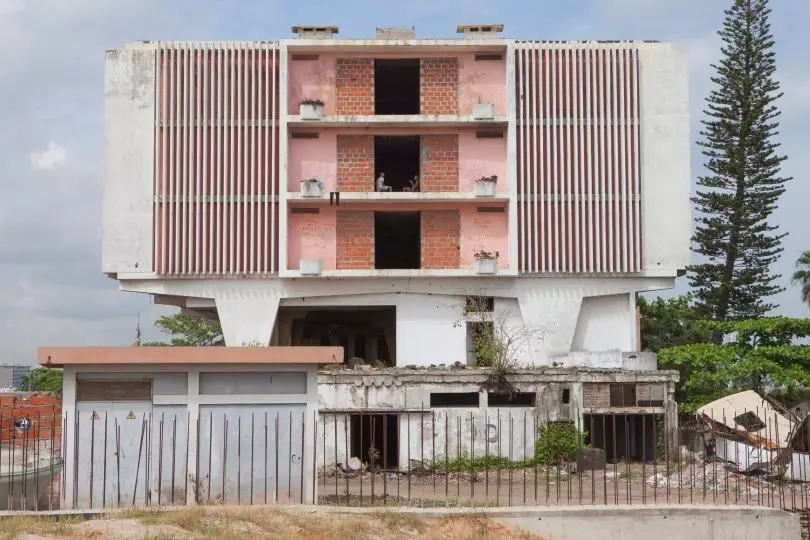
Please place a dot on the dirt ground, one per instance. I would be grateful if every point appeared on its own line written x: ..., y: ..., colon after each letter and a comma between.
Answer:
x: 245, y: 522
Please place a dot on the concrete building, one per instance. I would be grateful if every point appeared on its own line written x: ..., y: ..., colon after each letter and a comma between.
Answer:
x: 11, y: 374
x: 359, y: 192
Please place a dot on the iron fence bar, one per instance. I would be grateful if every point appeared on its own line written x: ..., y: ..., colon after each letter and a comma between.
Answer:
x: 76, y: 430
x: 148, y: 451
x: 210, y: 450
x: 458, y: 458
x: 384, y: 459
x: 511, y: 456
x: 224, y: 453
x: 337, y: 482
x: 252, y: 452
x: 104, y: 479
x: 314, y: 457
x: 160, y: 458
x: 277, y: 435
x: 422, y: 448
x: 435, y: 461
x: 524, y: 456
x: 446, y: 460
x: 265, y: 456
x: 289, y: 458
x: 347, y: 418
x: 52, y: 436
x: 644, y: 460
x: 472, y: 460
x: 239, y: 457
x: 604, y: 471
x: 486, y: 456
x: 303, y: 441
x: 627, y: 457
x: 780, y: 480
x: 615, y: 464
x: 408, y: 435
x: 655, y: 457
x: 138, y: 467
x: 498, y: 463
x: 548, y: 456
x: 580, y: 444
x: 197, y: 481
x: 535, y: 437
x: 174, y: 454
x: 118, y: 463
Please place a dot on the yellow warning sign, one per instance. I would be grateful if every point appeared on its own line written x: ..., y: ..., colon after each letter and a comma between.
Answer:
x: 94, y: 416
x: 131, y: 416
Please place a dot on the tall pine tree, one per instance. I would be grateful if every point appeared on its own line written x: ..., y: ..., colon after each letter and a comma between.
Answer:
x: 741, y: 191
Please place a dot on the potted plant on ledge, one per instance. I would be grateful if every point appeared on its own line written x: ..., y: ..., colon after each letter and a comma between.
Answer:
x: 311, y: 187
x: 486, y: 262
x: 311, y: 109
x: 485, y: 186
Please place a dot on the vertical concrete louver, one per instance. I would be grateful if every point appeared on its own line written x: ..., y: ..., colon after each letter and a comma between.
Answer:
x: 578, y: 157
x: 216, y: 158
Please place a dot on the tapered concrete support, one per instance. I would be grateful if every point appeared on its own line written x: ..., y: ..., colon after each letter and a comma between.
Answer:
x: 247, y: 317
x: 550, y: 317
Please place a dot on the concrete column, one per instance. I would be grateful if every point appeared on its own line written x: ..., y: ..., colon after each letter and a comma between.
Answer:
x: 247, y: 316
x: 671, y: 414
x: 193, y: 415
x: 68, y: 452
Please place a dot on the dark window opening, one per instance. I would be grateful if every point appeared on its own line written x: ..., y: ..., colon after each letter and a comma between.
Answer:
x: 622, y: 395
x: 454, y: 399
x: 396, y: 86
x: 366, y: 333
x: 374, y: 438
x: 397, y: 240
x: 566, y: 396
x: 518, y: 399
x: 624, y: 436
x: 397, y: 158
x: 479, y: 304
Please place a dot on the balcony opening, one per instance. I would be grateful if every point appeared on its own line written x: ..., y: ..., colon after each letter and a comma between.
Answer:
x: 624, y: 436
x: 397, y: 158
x: 396, y: 86
x: 397, y: 243
x: 366, y: 333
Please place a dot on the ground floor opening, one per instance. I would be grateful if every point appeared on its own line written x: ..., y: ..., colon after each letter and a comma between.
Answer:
x: 374, y: 438
x: 626, y: 436
x: 366, y: 333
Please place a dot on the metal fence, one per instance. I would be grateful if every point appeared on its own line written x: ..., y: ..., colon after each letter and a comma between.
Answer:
x: 429, y: 458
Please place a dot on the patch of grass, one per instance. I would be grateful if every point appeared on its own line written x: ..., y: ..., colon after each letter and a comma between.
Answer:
x: 480, y: 463
x: 12, y: 527
x: 190, y: 518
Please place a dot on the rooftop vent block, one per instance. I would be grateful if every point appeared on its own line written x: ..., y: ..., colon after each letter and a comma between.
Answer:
x: 476, y: 31
x: 315, y: 32
x: 396, y: 33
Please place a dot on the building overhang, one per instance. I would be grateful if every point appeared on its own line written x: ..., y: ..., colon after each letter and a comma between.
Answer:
x: 57, y: 357
x: 396, y: 45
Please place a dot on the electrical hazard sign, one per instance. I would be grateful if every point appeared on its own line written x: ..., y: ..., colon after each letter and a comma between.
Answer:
x: 131, y: 416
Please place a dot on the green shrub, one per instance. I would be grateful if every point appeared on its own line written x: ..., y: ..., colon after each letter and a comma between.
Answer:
x: 558, y: 440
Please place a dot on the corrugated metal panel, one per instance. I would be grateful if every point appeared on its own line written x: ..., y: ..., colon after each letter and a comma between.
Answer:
x: 578, y: 169
x: 595, y: 395
x: 216, y: 173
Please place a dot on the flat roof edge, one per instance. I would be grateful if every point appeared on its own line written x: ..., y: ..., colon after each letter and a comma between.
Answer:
x: 77, y: 356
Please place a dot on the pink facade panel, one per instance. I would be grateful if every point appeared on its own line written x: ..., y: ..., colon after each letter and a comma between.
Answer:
x: 480, y: 81
x: 312, y: 236
x: 484, y: 231
x: 313, y: 158
x: 481, y: 157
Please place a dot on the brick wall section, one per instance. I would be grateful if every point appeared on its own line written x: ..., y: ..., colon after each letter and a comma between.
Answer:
x: 440, y: 173
x: 44, y: 410
x: 355, y: 163
x: 354, y: 86
x: 355, y: 240
x: 440, y: 239
x: 438, y: 85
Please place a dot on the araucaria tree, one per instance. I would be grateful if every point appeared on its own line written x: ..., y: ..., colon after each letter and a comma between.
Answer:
x: 743, y: 185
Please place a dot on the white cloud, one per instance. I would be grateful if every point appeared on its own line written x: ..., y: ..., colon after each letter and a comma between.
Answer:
x: 48, y: 159
x: 9, y: 7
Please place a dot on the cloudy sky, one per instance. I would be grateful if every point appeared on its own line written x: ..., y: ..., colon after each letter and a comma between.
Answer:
x: 51, y: 89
